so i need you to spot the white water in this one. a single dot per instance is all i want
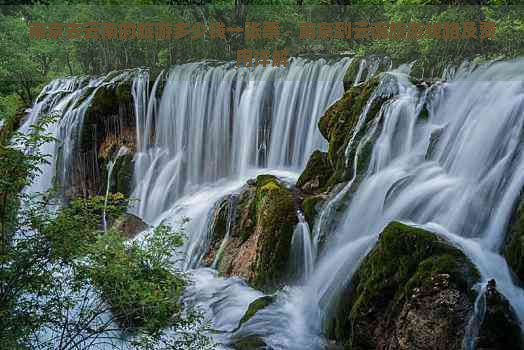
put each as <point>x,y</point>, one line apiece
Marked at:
<point>212,125</point>
<point>463,187</point>
<point>219,121</point>
<point>121,152</point>
<point>302,252</point>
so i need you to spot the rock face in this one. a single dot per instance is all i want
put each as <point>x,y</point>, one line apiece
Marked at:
<point>260,233</point>
<point>325,170</point>
<point>109,123</point>
<point>413,291</point>
<point>500,327</point>
<point>513,249</point>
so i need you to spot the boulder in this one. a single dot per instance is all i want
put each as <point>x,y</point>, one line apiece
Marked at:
<point>500,327</point>
<point>412,291</point>
<point>129,225</point>
<point>260,239</point>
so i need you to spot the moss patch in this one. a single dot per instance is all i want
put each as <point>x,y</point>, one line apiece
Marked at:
<point>316,174</point>
<point>337,126</point>
<point>513,249</point>
<point>405,258</point>
<point>276,219</point>
<point>255,306</point>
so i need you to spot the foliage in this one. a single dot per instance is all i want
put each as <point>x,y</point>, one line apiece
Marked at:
<point>26,64</point>
<point>136,280</point>
<point>65,284</point>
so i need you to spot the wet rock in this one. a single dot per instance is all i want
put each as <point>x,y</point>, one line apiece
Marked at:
<point>500,328</point>
<point>315,176</point>
<point>255,306</point>
<point>513,249</point>
<point>338,124</point>
<point>109,124</point>
<point>311,207</point>
<point>260,238</point>
<point>412,291</point>
<point>129,225</point>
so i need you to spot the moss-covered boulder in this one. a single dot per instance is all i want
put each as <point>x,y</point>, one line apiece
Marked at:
<point>260,235</point>
<point>311,206</point>
<point>413,291</point>
<point>338,124</point>
<point>500,328</point>
<point>513,249</point>
<point>367,66</point>
<point>315,176</point>
<point>255,306</point>
<point>129,225</point>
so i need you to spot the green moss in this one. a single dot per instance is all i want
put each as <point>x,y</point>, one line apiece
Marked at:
<point>351,72</point>
<point>317,167</point>
<point>123,175</point>
<point>310,205</point>
<point>513,249</point>
<point>404,258</point>
<point>337,126</point>
<point>220,222</point>
<point>276,219</point>
<point>245,214</point>
<point>256,306</point>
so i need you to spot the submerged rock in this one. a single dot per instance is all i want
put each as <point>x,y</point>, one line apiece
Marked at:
<point>255,306</point>
<point>260,239</point>
<point>412,291</point>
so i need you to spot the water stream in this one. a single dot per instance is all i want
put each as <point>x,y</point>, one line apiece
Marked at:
<point>204,129</point>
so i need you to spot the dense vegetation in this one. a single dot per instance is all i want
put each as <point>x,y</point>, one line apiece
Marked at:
<point>67,284</point>
<point>25,64</point>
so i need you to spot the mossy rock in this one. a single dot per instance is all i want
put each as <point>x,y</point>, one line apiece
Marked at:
<point>315,176</point>
<point>408,266</point>
<point>337,126</point>
<point>276,219</point>
<point>122,176</point>
<point>218,232</point>
<point>351,72</point>
<point>259,244</point>
<point>311,206</point>
<point>255,306</point>
<point>513,249</point>
<point>249,343</point>
<point>500,328</point>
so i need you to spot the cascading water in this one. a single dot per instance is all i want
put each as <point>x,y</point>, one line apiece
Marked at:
<point>121,152</point>
<point>218,121</point>
<point>463,186</point>
<point>66,101</point>
<point>302,252</point>
<point>457,171</point>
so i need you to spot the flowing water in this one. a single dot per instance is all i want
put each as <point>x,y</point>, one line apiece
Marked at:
<point>205,128</point>
<point>121,152</point>
<point>219,121</point>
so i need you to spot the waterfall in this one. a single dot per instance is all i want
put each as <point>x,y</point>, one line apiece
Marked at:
<point>215,121</point>
<point>122,151</point>
<point>204,128</point>
<point>302,252</point>
<point>67,101</point>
